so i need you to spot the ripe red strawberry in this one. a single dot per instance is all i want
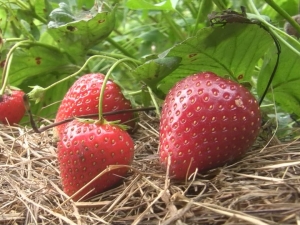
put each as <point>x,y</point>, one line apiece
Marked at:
<point>83,98</point>
<point>206,122</point>
<point>12,107</point>
<point>86,149</point>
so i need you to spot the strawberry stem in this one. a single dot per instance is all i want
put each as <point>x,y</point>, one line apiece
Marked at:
<point>5,75</point>
<point>7,40</point>
<point>100,108</point>
<point>121,49</point>
<point>154,101</point>
<point>7,65</point>
<point>47,127</point>
<point>113,55</point>
<point>284,14</point>
<point>32,94</point>
<point>290,39</point>
<point>9,56</point>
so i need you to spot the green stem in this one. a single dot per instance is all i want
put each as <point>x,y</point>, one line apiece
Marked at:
<point>173,26</point>
<point>154,101</point>
<point>31,9</point>
<point>104,85</point>
<point>197,20</point>
<point>119,47</point>
<point>26,42</point>
<point>284,14</point>
<point>7,40</point>
<point>205,5</point>
<point>113,55</point>
<point>5,75</point>
<point>22,5</point>
<point>291,39</point>
<point>79,71</point>
<point>135,92</point>
<point>284,41</point>
<point>220,4</point>
<point>253,7</point>
<point>191,8</point>
<point>7,65</point>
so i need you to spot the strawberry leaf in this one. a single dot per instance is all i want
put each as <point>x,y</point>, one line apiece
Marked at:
<point>286,82</point>
<point>142,4</point>
<point>49,100</point>
<point>75,34</point>
<point>41,8</point>
<point>233,50</point>
<point>35,60</point>
<point>155,70</point>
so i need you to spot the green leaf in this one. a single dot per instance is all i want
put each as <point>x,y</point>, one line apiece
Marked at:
<point>42,8</point>
<point>61,15</point>
<point>78,36</point>
<point>22,22</point>
<point>144,5</point>
<point>85,4</point>
<point>290,6</point>
<point>232,50</point>
<point>37,60</point>
<point>155,70</point>
<point>286,82</point>
<point>49,103</point>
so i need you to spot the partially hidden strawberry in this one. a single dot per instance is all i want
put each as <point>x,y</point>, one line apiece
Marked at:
<point>206,122</point>
<point>85,150</point>
<point>83,98</point>
<point>12,107</point>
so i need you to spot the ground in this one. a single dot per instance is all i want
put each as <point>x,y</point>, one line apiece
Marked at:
<point>261,188</point>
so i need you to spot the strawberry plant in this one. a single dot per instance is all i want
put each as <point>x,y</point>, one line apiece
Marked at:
<point>83,99</point>
<point>87,36</point>
<point>57,51</point>
<point>157,50</point>
<point>206,122</point>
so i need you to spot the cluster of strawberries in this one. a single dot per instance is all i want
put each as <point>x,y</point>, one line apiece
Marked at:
<point>206,121</point>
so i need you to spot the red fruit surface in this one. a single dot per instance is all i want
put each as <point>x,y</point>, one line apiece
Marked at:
<point>206,122</point>
<point>83,97</point>
<point>12,107</point>
<point>85,150</point>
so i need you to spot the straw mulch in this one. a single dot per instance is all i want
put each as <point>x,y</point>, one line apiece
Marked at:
<point>262,188</point>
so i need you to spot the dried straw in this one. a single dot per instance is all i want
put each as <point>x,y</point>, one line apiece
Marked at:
<point>262,188</point>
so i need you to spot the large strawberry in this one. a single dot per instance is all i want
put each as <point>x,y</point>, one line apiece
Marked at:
<point>12,107</point>
<point>85,150</point>
<point>83,98</point>
<point>206,122</point>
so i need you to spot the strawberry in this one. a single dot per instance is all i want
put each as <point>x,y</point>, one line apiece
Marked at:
<point>85,150</point>
<point>83,98</point>
<point>12,107</point>
<point>206,122</point>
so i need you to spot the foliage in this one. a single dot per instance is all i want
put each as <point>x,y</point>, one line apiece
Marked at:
<point>163,42</point>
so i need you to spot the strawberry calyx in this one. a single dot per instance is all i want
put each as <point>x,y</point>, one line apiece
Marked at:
<point>37,93</point>
<point>117,123</point>
<point>9,90</point>
<point>103,121</point>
